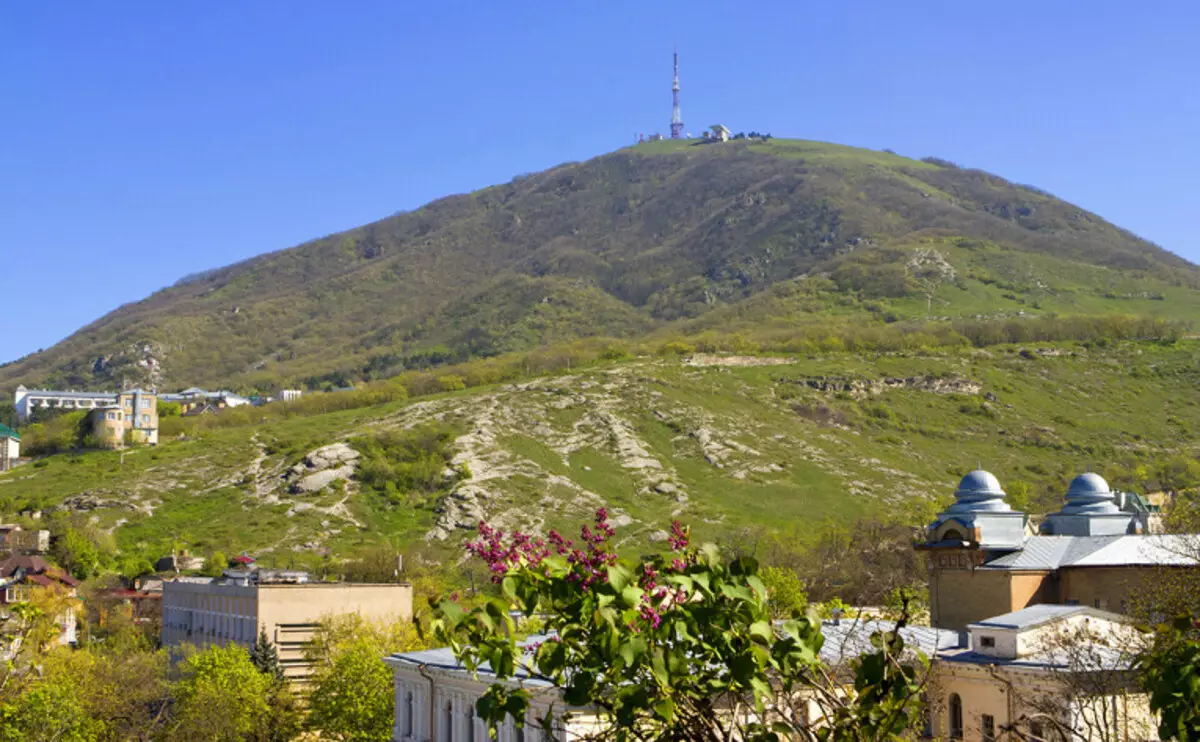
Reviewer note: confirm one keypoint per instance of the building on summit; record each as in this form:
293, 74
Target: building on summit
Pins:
131, 418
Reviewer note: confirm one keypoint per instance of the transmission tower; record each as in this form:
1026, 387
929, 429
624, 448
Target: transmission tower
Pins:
676, 116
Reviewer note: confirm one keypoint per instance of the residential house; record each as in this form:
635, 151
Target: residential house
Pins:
284, 603
15, 539
20, 574
197, 401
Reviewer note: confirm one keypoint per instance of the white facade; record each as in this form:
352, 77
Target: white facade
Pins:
27, 400
436, 704
290, 395
10, 451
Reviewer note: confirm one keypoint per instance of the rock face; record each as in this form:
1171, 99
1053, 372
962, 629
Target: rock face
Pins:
322, 468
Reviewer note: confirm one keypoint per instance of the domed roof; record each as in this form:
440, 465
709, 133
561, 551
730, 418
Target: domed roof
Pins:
979, 491
979, 481
1089, 494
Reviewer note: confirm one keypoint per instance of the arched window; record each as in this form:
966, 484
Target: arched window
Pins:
956, 717
408, 714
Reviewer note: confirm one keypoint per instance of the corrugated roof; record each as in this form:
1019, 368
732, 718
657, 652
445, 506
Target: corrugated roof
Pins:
1053, 552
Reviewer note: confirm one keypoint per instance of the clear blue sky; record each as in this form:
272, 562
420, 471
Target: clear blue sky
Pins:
141, 141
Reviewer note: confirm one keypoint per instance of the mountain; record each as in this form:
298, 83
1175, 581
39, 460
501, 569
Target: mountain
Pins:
662, 238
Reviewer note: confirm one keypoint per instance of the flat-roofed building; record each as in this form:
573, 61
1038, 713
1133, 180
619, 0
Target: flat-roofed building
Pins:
234, 607
28, 400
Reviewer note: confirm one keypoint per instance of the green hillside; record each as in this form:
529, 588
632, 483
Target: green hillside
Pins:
777, 445
659, 240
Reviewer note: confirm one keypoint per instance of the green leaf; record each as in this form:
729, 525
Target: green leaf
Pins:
632, 596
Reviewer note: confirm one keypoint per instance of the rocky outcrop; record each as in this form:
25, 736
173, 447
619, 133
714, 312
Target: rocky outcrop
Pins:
863, 386
323, 467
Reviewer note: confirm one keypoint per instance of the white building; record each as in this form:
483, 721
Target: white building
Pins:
27, 400
435, 702
290, 395
10, 447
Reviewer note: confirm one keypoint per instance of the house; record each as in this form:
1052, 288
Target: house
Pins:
197, 401
719, 133
131, 418
10, 447
15, 539
290, 395
233, 608
19, 574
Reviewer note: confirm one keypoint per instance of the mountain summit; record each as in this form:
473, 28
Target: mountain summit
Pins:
669, 233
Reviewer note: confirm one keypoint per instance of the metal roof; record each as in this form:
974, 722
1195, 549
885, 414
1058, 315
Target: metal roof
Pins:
1054, 552
1034, 615
7, 432
68, 395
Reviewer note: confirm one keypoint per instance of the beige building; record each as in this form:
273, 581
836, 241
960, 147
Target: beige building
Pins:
132, 418
235, 607
1046, 672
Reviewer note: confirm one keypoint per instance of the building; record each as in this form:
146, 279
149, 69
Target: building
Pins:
290, 395
15, 539
114, 418
985, 559
28, 400
20, 574
10, 447
720, 133
196, 401
235, 607
131, 418
1042, 670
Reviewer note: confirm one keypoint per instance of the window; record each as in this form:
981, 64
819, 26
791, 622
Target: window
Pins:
988, 642
1100, 603
146, 419
408, 714
1036, 731
145, 404
988, 725
1072, 601
956, 716
112, 416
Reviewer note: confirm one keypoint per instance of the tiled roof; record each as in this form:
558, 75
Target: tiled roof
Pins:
1053, 552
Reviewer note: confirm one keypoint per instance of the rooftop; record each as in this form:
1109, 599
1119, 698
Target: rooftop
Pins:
1034, 615
7, 432
1054, 552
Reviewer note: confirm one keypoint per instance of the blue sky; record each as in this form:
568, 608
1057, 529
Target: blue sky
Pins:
142, 141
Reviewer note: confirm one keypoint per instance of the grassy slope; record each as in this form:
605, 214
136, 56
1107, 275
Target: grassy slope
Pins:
623, 243
743, 444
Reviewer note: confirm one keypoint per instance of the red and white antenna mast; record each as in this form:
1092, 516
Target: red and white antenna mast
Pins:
676, 116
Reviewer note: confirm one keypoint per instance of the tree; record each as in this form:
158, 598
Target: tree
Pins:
265, 656
76, 553
215, 564
785, 591
353, 695
677, 646
221, 696
1171, 675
